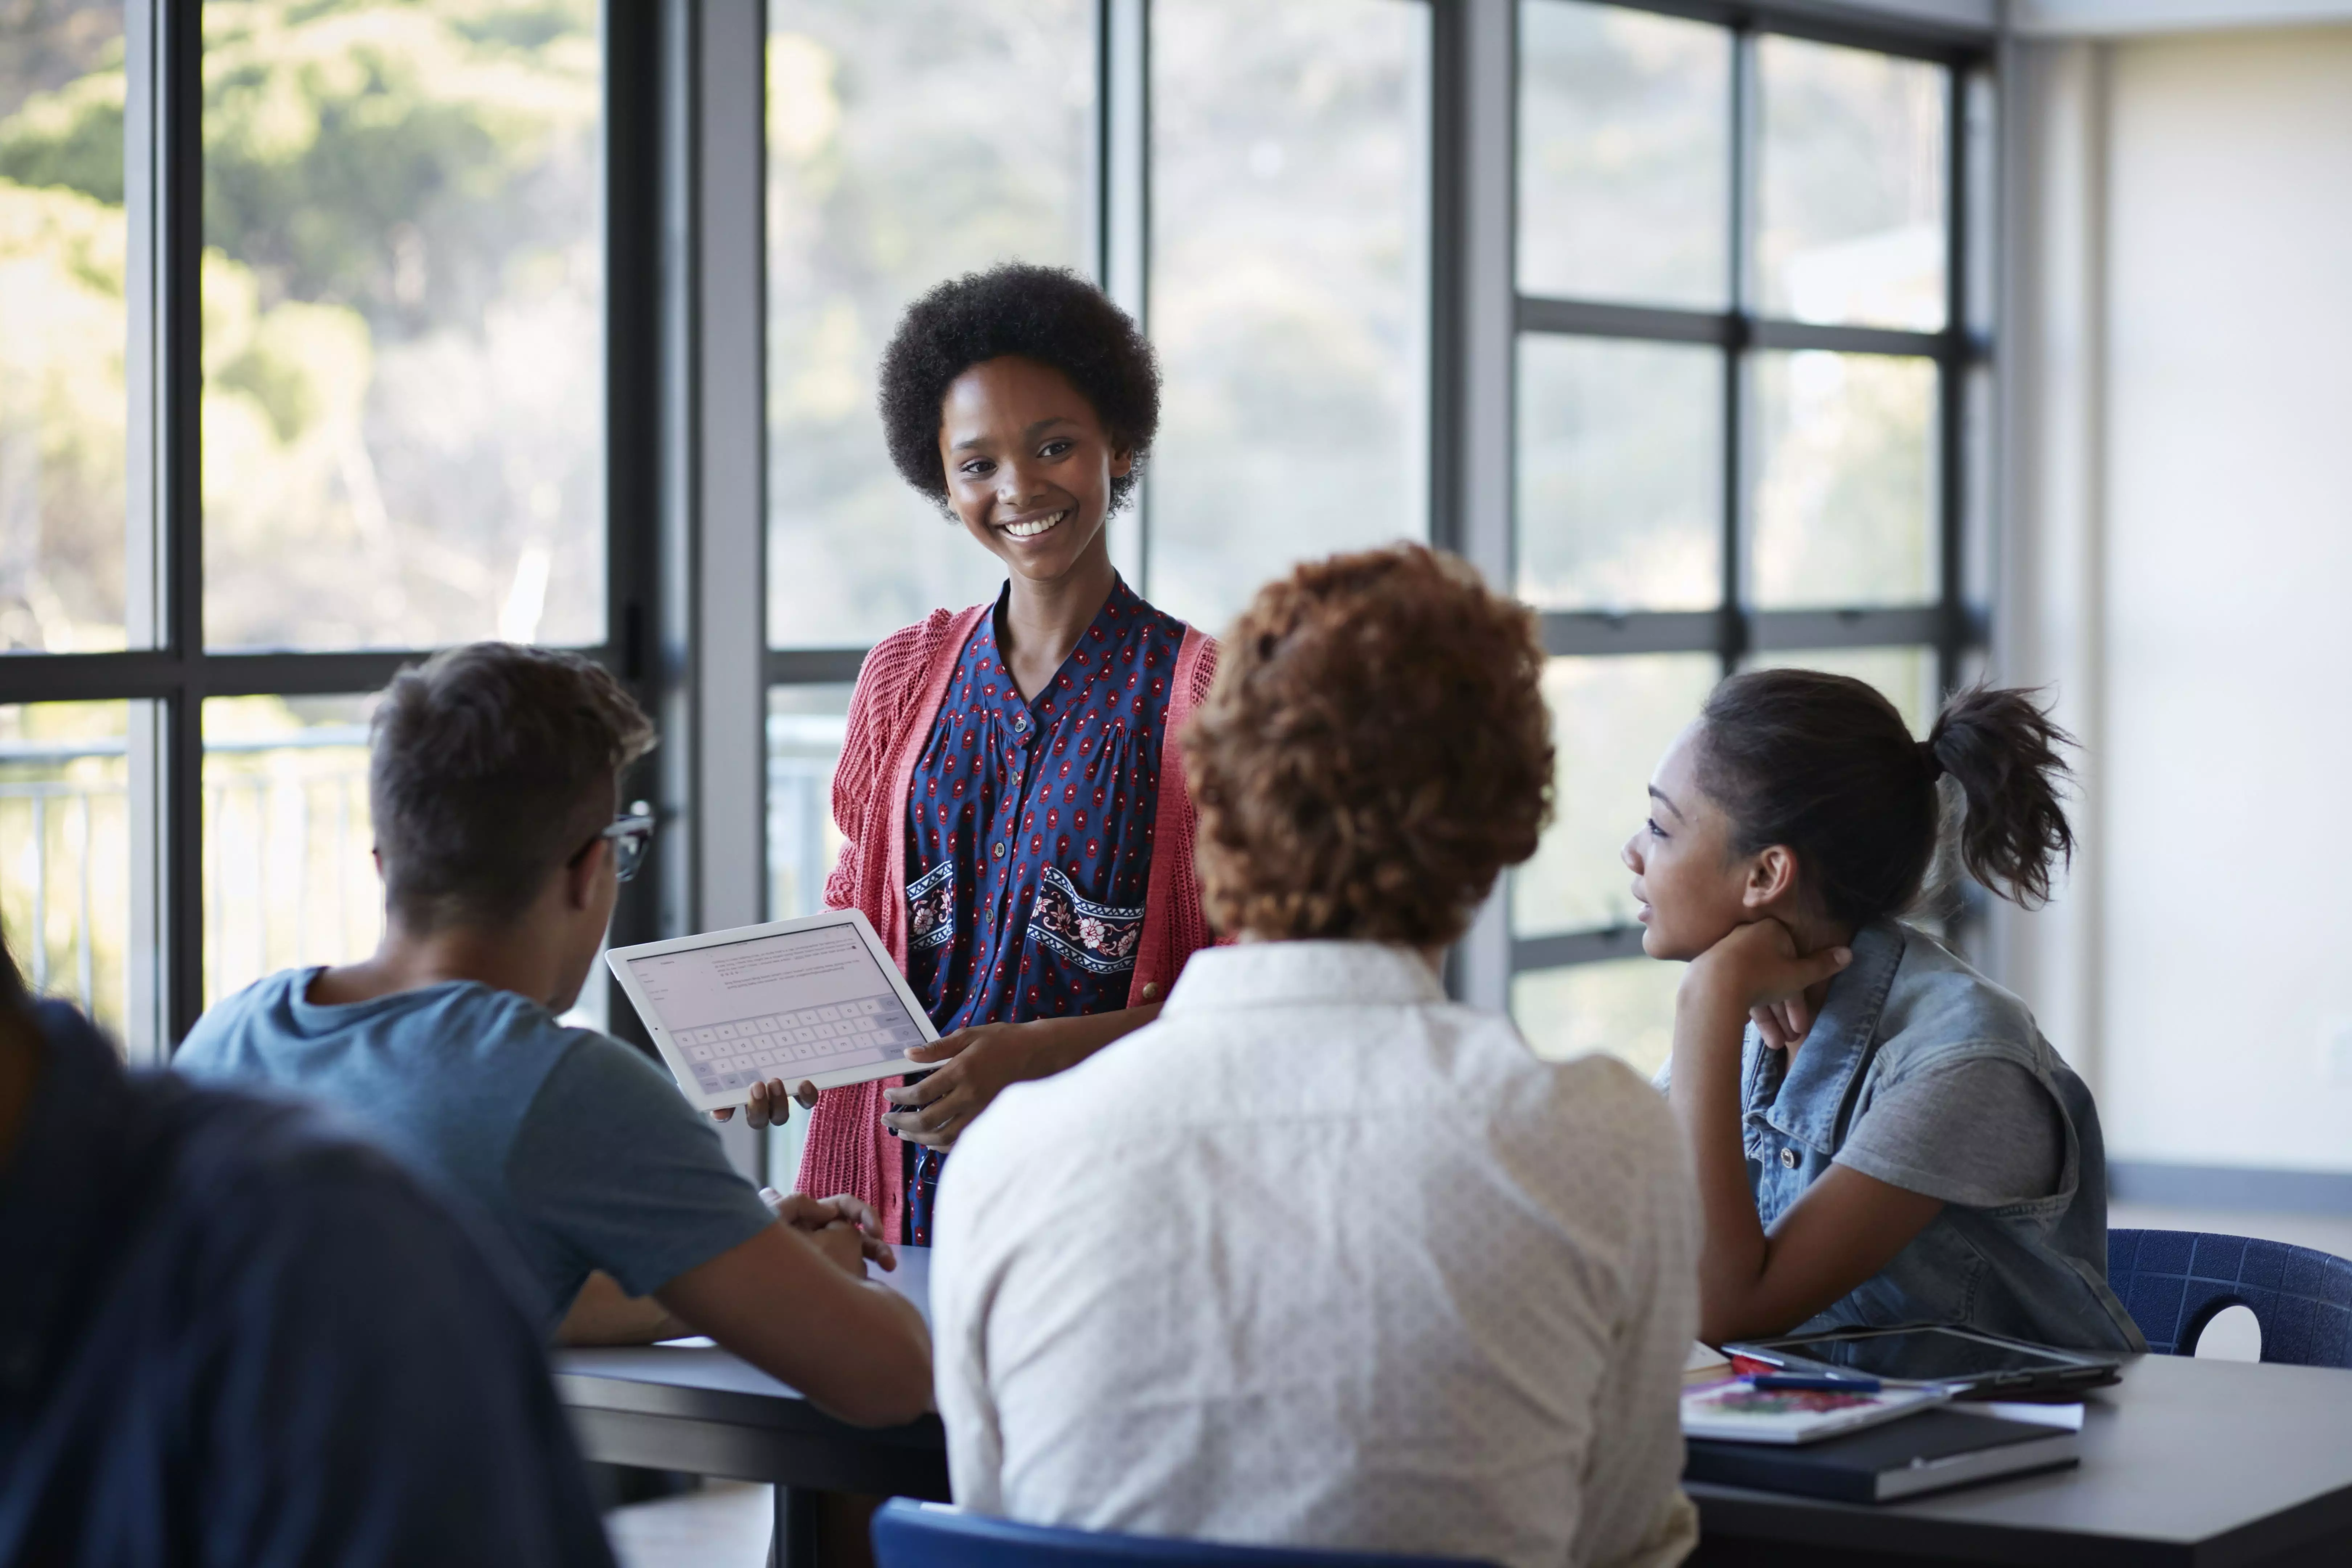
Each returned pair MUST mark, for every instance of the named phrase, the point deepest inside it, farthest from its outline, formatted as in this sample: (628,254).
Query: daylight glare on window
(1851,208)
(1620,494)
(64,327)
(907,144)
(1288,292)
(402,344)
(1624,162)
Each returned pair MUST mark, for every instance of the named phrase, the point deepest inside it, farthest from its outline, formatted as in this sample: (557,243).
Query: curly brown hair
(1375,750)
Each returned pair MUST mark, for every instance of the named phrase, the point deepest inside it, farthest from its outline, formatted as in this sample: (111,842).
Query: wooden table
(2197,1464)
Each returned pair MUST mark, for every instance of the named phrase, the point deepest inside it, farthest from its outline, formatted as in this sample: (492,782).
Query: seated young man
(1319,1257)
(233,1335)
(494,779)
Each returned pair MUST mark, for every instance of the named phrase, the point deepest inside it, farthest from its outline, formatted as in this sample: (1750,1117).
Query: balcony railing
(801,751)
(288,877)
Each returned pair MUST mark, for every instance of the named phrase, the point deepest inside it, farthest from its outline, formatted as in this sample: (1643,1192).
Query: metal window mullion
(1850,25)
(1474,121)
(1123,210)
(1446,203)
(1566,949)
(811,666)
(631,240)
(1594,318)
(147,1031)
(176,148)
(1952,383)
(716,601)
(1732,636)
(676,862)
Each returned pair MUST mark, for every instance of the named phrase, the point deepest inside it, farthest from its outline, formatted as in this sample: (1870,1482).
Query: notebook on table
(1929,1451)
(1736,1412)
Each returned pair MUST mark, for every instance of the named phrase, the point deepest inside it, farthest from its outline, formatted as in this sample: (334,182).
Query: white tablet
(815,1000)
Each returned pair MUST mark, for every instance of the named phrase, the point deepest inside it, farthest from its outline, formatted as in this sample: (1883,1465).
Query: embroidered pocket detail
(1095,937)
(930,907)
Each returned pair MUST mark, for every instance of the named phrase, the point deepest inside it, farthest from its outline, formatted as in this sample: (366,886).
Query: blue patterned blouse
(1029,834)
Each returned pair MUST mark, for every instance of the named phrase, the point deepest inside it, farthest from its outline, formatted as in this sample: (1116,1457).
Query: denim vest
(2034,1271)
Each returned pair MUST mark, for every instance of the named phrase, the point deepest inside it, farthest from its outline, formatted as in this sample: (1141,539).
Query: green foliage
(330,127)
(70,138)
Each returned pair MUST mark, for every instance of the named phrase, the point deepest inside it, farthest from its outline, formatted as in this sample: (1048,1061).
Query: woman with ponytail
(1881,1134)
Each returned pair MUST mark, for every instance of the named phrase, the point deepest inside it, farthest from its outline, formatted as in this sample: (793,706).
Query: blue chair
(908,1534)
(2174,1281)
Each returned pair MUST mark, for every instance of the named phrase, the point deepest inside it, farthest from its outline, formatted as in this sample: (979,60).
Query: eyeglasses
(631,833)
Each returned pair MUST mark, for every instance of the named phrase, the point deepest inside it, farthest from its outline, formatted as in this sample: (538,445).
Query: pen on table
(1812,1382)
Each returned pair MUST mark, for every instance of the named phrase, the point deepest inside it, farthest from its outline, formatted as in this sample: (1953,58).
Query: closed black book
(1930,1452)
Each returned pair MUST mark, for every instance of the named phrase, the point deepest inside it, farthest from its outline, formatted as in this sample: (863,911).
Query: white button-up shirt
(1321,1258)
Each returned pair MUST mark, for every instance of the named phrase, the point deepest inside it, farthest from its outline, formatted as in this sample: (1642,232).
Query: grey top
(1978,1131)
(1923,1073)
(1982,1132)
(582,1150)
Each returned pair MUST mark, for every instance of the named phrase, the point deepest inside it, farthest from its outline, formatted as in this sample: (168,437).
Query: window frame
(668,151)
(1477,316)
(1121,177)
(169,677)
(1956,626)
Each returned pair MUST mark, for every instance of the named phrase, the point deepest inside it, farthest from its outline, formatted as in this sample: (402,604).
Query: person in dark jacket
(230,1334)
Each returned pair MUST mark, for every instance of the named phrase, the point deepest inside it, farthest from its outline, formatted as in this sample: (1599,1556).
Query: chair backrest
(2173,1281)
(908,1534)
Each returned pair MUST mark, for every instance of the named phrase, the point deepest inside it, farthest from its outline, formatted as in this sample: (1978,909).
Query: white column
(2048,631)
(1476,155)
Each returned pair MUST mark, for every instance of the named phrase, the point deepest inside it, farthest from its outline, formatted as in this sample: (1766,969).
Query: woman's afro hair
(1042,313)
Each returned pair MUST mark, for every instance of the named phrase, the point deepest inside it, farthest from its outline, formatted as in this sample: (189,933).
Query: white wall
(2228,927)
(2201,472)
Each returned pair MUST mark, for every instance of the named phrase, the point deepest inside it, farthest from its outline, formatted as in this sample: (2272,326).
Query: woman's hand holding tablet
(816,1001)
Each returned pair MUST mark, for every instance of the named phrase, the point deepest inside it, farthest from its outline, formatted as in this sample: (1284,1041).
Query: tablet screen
(789,1006)
(1930,1355)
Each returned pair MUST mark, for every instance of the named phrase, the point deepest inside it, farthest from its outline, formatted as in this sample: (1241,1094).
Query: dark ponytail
(1824,764)
(2002,751)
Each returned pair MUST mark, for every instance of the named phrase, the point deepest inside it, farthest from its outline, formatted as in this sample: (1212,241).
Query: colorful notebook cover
(1734,1412)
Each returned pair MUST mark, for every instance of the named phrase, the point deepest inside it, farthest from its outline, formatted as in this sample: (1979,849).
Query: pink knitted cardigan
(897,698)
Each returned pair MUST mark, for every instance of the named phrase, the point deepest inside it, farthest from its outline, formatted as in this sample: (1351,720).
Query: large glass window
(1271,212)
(1611,720)
(1288,293)
(805,728)
(302,354)
(1851,209)
(907,144)
(1623,157)
(289,875)
(65,851)
(1621,456)
(63,328)
(1737,438)
(402,440)
(1845,480)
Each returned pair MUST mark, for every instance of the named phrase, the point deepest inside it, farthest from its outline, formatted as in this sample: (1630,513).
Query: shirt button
(1150,992)
(1021,720)
(1788,1159)
(997,849)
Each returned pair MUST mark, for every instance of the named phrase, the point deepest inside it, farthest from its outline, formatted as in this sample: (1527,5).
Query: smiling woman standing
(1007,775)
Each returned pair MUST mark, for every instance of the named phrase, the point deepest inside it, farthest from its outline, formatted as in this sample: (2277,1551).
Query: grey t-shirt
(1981,1133)
(579,1149)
